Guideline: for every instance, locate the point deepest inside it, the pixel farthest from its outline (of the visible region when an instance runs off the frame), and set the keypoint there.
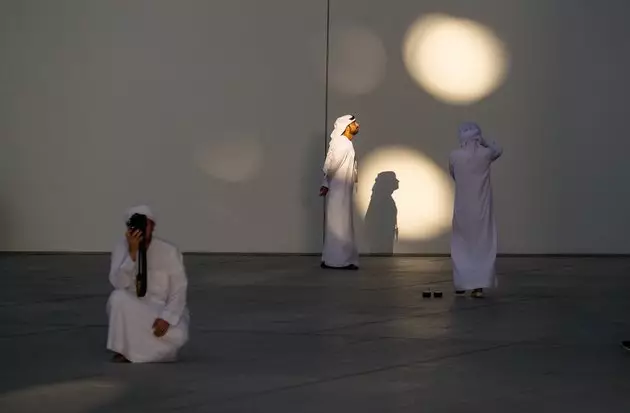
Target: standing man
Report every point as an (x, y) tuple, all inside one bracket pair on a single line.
[(149, 327), (474, 238), (340, 175)]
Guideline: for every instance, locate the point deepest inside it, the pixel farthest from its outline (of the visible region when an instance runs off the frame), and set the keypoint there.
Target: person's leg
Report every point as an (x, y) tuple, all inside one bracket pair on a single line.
[(130, 332)]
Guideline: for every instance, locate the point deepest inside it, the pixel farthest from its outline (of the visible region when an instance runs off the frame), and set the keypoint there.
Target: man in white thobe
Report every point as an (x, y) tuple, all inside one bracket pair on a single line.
[(340, 175), (474, 237), (154, 327)]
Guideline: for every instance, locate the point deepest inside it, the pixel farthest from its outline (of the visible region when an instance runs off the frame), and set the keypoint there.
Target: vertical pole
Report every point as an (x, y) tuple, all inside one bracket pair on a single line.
[(326, 104)]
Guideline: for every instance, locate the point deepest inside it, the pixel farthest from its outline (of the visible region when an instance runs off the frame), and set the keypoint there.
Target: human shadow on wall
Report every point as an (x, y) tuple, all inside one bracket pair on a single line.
[(381, 218)]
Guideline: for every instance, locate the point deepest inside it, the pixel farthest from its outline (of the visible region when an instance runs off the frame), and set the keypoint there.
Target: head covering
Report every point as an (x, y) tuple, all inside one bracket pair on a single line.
[(142, 210), (469, 132), (341, 124), (386, 182)]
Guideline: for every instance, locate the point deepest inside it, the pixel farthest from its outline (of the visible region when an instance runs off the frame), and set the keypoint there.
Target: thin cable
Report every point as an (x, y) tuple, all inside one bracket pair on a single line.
[(326, 106)]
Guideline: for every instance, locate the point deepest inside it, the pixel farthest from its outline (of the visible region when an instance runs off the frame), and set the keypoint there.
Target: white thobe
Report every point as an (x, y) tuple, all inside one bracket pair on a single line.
[(131, 317), (474, 237), (340, 175)]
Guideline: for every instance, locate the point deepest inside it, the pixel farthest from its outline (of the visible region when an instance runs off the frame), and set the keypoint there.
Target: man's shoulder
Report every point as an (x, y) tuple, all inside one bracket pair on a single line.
[(342, 143), (165, 246), (455, 153)]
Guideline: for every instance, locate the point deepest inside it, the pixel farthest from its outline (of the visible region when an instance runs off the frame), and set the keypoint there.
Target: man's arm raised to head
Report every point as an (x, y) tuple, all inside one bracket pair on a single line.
[(495, 149), (122, 268)]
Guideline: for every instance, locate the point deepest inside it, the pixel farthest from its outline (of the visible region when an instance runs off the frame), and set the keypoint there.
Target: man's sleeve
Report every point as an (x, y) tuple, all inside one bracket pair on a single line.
[(123, 268), (495, 150), (178, 286), (334, 159)]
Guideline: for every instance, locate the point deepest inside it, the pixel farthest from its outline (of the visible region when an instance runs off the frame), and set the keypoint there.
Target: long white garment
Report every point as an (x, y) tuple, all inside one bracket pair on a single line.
[(474, 237), (340, 175), (131, 318)]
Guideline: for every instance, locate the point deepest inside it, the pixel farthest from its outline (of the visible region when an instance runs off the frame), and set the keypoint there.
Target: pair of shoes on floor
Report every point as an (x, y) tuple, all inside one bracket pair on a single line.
[(347, 267)]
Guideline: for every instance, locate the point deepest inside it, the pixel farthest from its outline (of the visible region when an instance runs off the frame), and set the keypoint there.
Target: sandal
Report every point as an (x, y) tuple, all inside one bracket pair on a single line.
[(478, 293), (119, 358)]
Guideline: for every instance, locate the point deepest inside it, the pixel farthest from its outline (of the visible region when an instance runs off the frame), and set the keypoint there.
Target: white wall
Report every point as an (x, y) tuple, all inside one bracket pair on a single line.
[(561, 115), (213, 113)]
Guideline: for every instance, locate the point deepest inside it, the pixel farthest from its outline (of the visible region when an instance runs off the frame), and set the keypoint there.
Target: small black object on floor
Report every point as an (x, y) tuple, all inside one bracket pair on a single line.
[(428, 293)]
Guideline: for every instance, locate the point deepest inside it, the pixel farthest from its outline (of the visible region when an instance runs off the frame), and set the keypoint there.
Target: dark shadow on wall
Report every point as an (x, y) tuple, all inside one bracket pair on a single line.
[(312, 203), (381, 218)]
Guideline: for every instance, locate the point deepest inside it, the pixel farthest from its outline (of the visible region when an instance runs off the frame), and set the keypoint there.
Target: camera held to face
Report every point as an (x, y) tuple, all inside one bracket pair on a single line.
[(138, 222)]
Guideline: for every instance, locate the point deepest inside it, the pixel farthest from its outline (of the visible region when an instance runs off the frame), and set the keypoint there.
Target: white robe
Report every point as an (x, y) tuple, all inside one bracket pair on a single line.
[(474, 237), (131, 317), (340, 175)]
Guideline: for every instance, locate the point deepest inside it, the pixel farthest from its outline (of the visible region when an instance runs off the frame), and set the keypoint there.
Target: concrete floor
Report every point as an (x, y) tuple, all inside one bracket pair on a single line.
[(277, 334)]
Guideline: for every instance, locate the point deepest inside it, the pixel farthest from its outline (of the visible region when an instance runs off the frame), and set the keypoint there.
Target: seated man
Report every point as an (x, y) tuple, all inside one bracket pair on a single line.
[(151, 328)]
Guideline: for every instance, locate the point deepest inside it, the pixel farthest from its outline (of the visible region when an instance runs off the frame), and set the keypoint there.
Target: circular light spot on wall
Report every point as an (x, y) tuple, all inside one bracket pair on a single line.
[(357, 60), (422, 192), (235, 158), (458, 61)]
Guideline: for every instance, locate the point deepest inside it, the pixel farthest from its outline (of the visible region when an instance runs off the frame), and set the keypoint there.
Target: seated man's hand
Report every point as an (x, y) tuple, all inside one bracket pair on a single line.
[(133, 241), (160, 327)]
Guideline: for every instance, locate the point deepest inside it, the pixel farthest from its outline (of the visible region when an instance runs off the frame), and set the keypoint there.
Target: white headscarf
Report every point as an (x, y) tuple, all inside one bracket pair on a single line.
[(340, 127), (341, 124), (142, 210), (469, 132)]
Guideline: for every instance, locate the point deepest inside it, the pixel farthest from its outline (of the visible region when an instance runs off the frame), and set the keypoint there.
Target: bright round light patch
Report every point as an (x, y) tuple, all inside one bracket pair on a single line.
[(238, 157), (456, 60), (424, 197)]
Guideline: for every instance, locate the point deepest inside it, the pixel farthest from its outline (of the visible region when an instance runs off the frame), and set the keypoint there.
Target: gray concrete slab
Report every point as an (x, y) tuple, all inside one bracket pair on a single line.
[(280, 334)]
